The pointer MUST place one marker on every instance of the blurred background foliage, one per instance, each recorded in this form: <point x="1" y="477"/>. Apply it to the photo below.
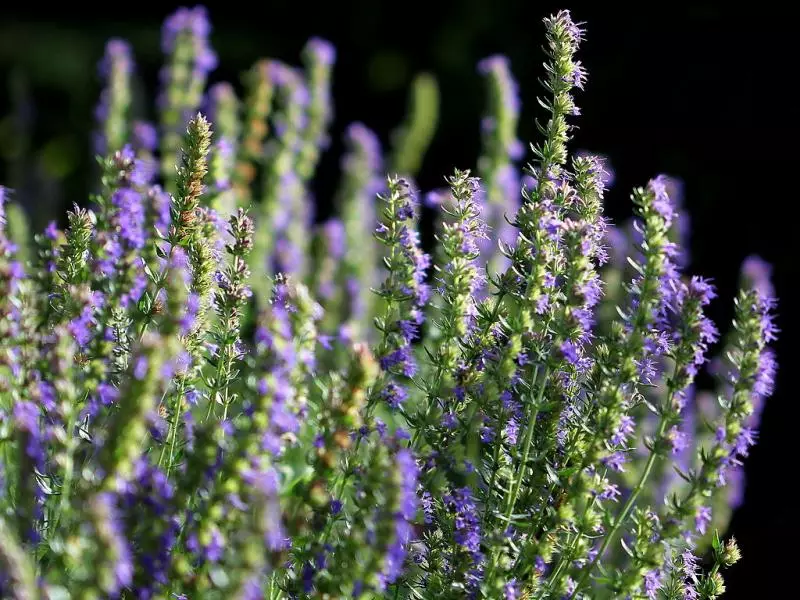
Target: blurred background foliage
<point x="689" y="90"/>
<point x="48" y="61"/>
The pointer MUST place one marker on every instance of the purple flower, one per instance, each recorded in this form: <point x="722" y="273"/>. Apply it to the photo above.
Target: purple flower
<point x="107" y="394"/>
<point x="51" y="231"/>
<point x="570" y="352"/>
<point x="662" y="202"/>
<point x="144" y="136"/>
<point x="322" y="50"/>
<point x="765" y="375"/>
<point x="511" y="590"/>
<point x="611" y="492"/>
<point x="130" y="217"/>
<point x="624" y="430"/>
<point x="401" y="357"/>
<point x="81" y="327"/>
<point x="408" y="473"/>
<point x="758" y="274"/>
<point x="47" y="396"/>
<point x="466" y="519"/>
<point x="678" y="440"/>
<point x="745" y="439"/>
<point x="487" y="434"/>
<point x="408" y="329"/>
<point x="140" y="367"/>
<point x="160" y="207"/>
<point x="702" y="519"/>
<point x="334" y="233"/>
<point x="539" y="565"/>
<point x="336" y="507"/>
<point x="26" y="418"/>
<point x="449" y="420"/>
<point x="615" y="461"/>
<point x="652" y="583"/>
<point x="188" y="318"/>
<point x="542" y="302"/>
<point x="511" y="431"/>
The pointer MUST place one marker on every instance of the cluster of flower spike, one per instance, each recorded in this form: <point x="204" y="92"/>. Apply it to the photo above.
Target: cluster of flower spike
<point x="204" y="393"/>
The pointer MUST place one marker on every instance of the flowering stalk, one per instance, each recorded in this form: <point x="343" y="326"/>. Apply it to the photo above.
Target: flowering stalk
<point x="693" y="335"/>
<point x="121" y="235"/>
<point x="410" y="141"/>
<point x="501" y="149"/>
<point x="751" y="371"/>
<point x="319" y="57"/>
<point x="73" y="264"/>
<point x="458" y="279"/>
<point x="360" y="184"/>
<point x="283" y="198"/>
<point x="259" y="92"/>
<point x="607" y="417"/>
<point x="112" y="113"/>
<point x="19" y="582"/>
<point x="184" y="39"/>
<point x="223" y="112"/>
<point x="403" y="293"/>
<point x="185" y="223"/>
<point x="229" y="302"/>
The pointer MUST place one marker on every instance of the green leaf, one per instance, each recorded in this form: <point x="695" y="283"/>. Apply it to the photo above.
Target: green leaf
<point x="716" y="544"/>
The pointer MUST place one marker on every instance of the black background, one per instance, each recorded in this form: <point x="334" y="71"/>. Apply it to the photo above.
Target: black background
<point x="701" y="92"/>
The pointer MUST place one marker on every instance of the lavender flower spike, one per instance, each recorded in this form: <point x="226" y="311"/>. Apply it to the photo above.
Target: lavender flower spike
<point x="116" y="69"/>
<point x="404" y="291"/>
<point x="185" y="41"/>
<point x="501" y="150"/>
<point x="223" y="112"/>
<point x="360" y="185"/>
<point x="319" y="57"/>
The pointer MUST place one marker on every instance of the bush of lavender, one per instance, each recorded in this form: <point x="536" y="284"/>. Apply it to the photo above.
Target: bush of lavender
<point x="205" y="393"/>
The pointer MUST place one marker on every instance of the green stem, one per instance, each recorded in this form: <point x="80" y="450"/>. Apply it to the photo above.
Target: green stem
<point x="533" y="411"/>
<point x="526" y="449"/>
<point x="623" y="515"/>
<point x="564" y="559"/>
<point x="495" y="459"/>
<point x="176" y="418"/>
<point x="69" y="469"/>
<point x="173" y="425"/>
<point x="439" y="371"/>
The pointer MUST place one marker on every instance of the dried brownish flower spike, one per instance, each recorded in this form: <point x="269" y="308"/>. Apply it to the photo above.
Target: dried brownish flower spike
<point x="191" y="173"/>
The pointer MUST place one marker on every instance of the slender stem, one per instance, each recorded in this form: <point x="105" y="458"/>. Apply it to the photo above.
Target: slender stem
<point x="439" y="371"/>
<point x="623" y="515"/>
<point x="69" y="468"/>
<point x="338" y="496"/>
<point x="564" y="558"/>
<point x="173" y="423"/>
<point x="518" y="477"/>
<point x="210" y="410"/>
<point x="495" y="459"/>
<point x="534" y="411"/>
<point x="175" y="418"/>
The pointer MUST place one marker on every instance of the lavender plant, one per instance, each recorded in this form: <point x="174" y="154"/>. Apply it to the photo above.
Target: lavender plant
<point x="203" y="395"/>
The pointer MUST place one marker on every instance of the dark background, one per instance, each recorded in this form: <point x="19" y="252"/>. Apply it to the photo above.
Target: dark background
<point x="701" y="92"/>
